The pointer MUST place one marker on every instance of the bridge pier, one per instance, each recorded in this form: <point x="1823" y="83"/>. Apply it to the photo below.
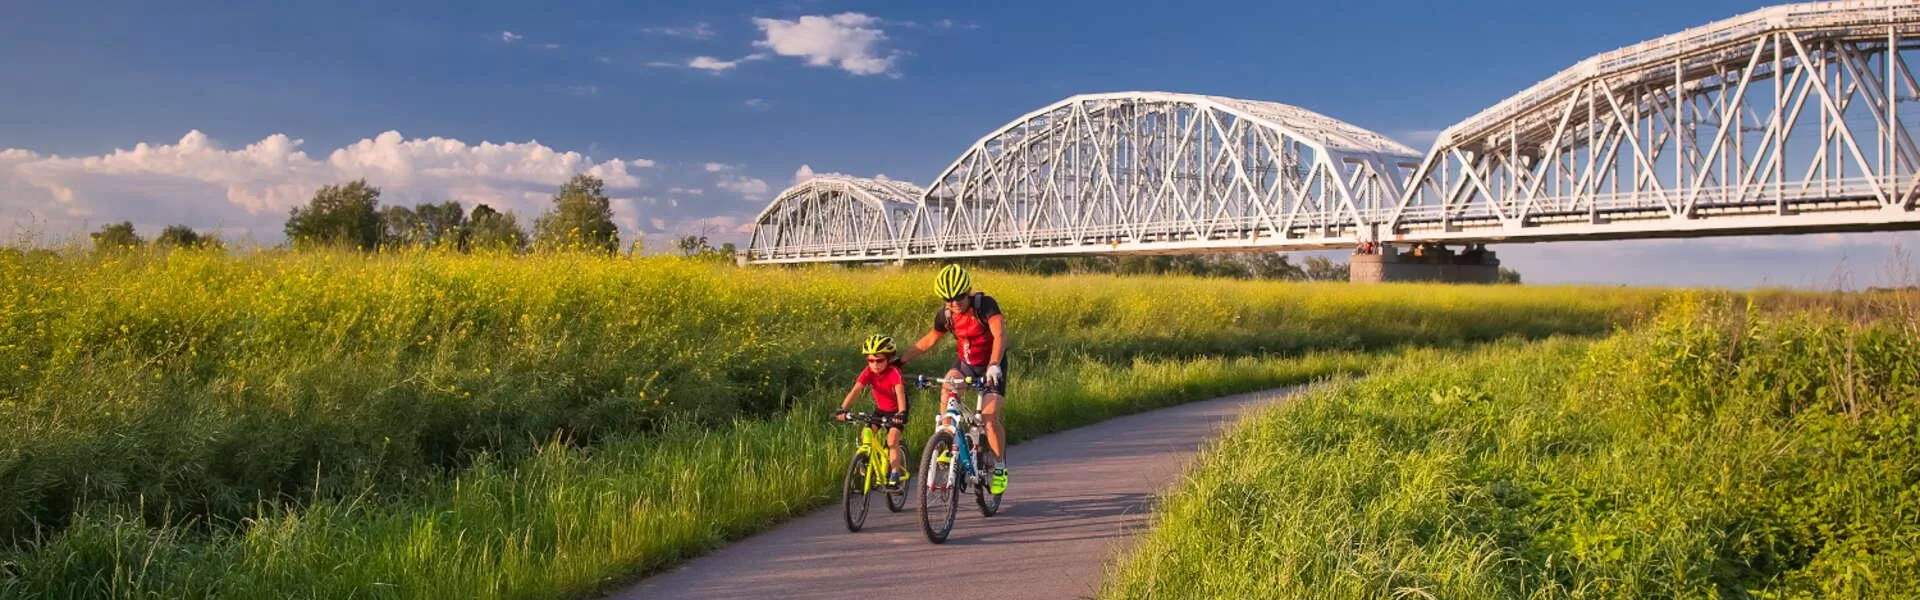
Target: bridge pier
<point x="1424" y="262"/>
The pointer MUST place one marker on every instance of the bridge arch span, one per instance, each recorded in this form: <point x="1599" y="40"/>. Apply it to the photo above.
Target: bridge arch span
<point x="835" y="218"/>
<point x="1152" y="171"/>
<point x="1793" y="118"/>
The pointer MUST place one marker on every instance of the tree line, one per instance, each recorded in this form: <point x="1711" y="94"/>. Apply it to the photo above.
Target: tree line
<point x="351" y="216"/>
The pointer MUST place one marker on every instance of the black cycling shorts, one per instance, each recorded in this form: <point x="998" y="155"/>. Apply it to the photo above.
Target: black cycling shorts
<point x="888" y="414"/>
<point x="980" y="373"/>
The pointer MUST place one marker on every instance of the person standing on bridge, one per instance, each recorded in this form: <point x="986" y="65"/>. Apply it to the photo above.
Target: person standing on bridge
<point x="977" y="326"/>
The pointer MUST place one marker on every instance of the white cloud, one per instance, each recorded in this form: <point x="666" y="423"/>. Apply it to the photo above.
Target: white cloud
<point x="850" y="41"/>
<point x="687" y="191"/>
<point x="757" y="103"/>
<point x="603" y="60"/>
<point x="708" y="63"/>
<point x="748" y="187"/>
<point x="511" y="37"/>
<point x="699" y="31"/>
<point x="714" y="167"/>
<point x="589" y="91"/>
<point x="802" y="174"/>
<point x="644" y="163"/>
<point x="198" y="182"/>
<point x="550" y="46"/>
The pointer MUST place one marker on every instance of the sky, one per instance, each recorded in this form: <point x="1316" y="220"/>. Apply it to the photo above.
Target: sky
<point x="225" y="115"/>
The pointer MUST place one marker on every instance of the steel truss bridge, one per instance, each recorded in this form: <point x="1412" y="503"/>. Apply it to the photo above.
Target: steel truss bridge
<point x="1790" y="119"/>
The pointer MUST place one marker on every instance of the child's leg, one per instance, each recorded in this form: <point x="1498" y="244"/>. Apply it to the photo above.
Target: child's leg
<point x="895" y="456"/>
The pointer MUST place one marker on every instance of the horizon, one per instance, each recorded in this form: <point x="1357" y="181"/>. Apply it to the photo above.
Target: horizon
<point x="697" y="115"/>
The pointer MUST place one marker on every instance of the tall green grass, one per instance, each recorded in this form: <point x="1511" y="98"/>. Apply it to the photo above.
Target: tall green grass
<point x="1717" y="451"/>
<point x="570" y="522"/>
<point x="195" y="385"/>
<point x="193" y="423"/>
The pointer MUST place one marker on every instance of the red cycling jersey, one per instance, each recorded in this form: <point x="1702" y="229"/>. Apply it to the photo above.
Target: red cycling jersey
<point x="970" y="328"/>
<point x="883" y="384"/>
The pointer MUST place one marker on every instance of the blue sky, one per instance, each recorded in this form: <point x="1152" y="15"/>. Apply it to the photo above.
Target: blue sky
<point x="855" y="87"/>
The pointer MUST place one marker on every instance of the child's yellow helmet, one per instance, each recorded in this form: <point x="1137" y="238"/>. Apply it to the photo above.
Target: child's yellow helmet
<point x="877" y="344"/>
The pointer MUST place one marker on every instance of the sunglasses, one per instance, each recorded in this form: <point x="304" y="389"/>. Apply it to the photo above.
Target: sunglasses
<point x="875" y="359"/>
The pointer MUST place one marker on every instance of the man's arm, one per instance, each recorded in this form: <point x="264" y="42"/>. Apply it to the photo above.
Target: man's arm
<point x="997" y="325"/>
<point x="921" y="347"/>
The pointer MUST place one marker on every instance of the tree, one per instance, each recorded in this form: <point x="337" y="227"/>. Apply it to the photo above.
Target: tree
<point x="117" y="236"/>
<point x="692" y="245"/>
<point x="1509" y="276"/>
<point x="1321" y="268"/>
<point x="488" y="230"/>
<point x="444" y="224"/>
<point x="339" y="215"/>
<point x="581" y="218"/>
<point x="399" y="227"/>
<point x="180" y="236"/>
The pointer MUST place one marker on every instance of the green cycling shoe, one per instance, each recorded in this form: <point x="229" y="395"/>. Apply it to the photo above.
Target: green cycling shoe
<point x="998" y="485"/>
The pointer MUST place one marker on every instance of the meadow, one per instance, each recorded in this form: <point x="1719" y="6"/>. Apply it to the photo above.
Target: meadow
<point x="1726" y="448"/>
<point x="193" y="423"/>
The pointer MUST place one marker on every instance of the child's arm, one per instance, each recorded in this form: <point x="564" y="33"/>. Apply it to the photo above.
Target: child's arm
<point x="851" y="394"/>
<point x="900" y="393"/>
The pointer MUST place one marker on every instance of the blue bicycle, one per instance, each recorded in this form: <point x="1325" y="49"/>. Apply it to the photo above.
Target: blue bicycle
<point x="955" y="460"/>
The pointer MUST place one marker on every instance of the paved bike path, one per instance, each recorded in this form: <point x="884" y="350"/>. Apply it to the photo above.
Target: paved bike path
<point x="1073" y="500"/>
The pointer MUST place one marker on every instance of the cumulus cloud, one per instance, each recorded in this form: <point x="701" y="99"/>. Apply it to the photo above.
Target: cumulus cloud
<point x="198" y="182"/>
<point x="748" y="187"/>
<point x="849" y="41"/>
<point x="802" y="174"/>
<point x="644" y="163"/>
<point x="699" y="31"/>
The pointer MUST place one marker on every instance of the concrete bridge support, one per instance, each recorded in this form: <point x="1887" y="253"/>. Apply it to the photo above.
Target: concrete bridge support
<point x="1424" y="262"/>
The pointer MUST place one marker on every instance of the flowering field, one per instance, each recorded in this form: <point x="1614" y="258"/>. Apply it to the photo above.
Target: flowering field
<point x="195" y="423"/>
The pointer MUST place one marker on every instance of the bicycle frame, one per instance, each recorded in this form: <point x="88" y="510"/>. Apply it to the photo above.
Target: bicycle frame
<point x="965" y="427"/>
<point x="879" y="458"/>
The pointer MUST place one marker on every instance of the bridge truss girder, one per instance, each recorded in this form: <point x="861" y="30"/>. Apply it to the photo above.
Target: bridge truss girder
<point x="834" y="218"/>
<point x="1152" y="172"/>
<point x="1788" y="119"/>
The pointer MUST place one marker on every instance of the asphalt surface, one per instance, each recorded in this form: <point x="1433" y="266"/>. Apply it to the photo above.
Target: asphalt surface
<point x="1074" y="499"/>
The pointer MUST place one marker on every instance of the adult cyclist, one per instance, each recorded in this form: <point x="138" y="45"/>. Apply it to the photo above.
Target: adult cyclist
<point x="977" y="326"/>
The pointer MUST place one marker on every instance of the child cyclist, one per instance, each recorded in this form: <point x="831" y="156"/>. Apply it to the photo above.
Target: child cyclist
<point x="889" y="398"/>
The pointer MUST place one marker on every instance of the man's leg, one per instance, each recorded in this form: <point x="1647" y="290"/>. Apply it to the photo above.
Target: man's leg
<point x="996" y="433"/>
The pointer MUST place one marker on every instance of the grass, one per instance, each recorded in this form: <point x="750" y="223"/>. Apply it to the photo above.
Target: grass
<point x="193" y="423"/>
<point x="1717" y="451"/>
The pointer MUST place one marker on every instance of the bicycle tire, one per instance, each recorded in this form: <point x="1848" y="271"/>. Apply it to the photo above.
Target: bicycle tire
<point x="939" y="486"/>
<point x="853" y="494"/>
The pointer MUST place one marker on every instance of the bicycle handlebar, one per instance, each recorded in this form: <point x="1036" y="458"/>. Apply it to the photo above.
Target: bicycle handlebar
<point x="860" y="418"/>
<point x="922" y="381"/>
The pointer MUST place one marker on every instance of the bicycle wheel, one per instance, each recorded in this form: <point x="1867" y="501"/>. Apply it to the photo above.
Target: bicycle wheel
<point x="940" y="494"/>
<point x="854" y="493"/>
<point x="989" y="503"/>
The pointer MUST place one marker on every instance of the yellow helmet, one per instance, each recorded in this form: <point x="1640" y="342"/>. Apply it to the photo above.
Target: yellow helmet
<point x="952" y="282"/>
<point x="877" y="344"/>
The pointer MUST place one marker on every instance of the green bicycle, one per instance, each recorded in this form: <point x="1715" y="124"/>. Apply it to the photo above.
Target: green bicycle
<point x="867" y="472"/>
